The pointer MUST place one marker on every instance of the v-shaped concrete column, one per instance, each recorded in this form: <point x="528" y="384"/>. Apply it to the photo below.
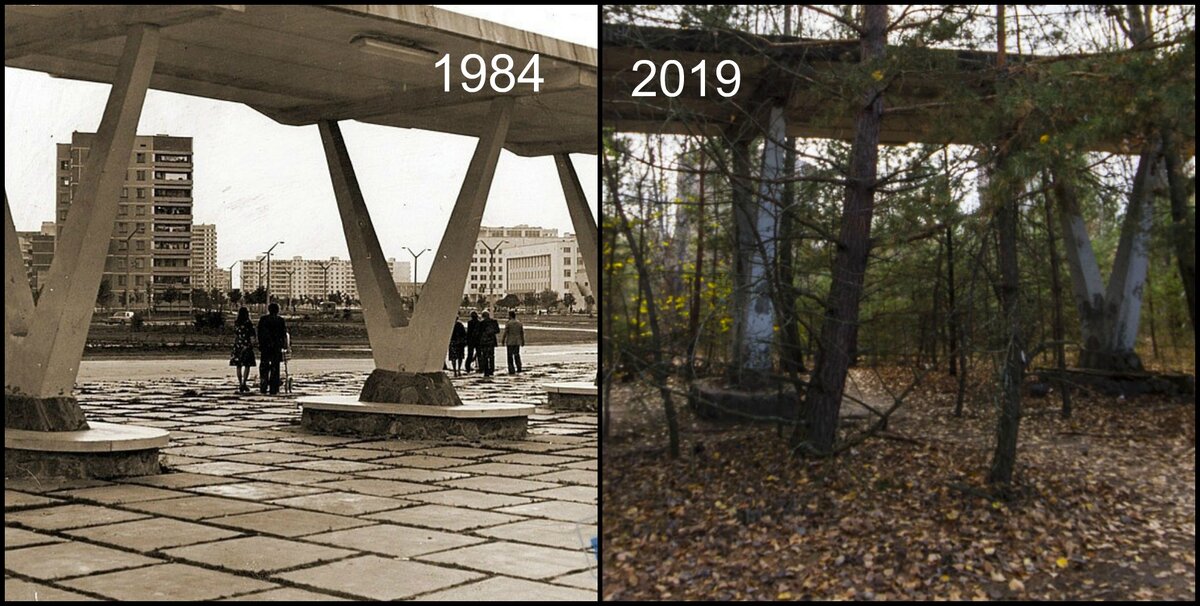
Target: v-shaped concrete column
<point x="586" y="234"/>
<point x="18" y="299"/>
<point x="382" y="309"/>
<point x="429" y="333"/>
<point x="398" y="343"/>
<point x="45" y="362"/>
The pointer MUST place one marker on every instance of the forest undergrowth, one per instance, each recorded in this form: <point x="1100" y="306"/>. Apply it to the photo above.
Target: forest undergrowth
<point x="1102" y="505"/>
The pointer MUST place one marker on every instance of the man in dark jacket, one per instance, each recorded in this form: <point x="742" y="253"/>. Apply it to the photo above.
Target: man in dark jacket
<point x="472" y="338"/>
<point x="514" y="338"/>
<point x="488" y="330"/>
<point x="272" y="338"/>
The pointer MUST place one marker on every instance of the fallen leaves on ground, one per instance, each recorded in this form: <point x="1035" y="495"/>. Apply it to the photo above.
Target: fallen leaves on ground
<point x="1103" y="506"/>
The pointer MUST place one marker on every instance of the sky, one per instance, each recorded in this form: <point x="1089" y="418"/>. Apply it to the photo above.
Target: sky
<point x="261" y="182"/>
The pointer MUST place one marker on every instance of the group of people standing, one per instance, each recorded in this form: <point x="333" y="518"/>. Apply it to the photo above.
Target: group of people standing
<point x="477" y="341"/>
<point x="272" y="340"/>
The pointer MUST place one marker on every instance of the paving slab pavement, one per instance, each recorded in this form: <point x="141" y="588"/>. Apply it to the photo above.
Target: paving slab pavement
<point x="253" y="507"/>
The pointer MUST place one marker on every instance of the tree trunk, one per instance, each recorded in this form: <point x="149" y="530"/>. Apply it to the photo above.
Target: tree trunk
<point x="1060" y="354"/>
<point x="1004" y="457"/>
<point x="1183" y="225"/>
<point x="694" y="309"/>
<point x="840" y="326"/>
<point x="658" y="369"/>
<point x="950" y="294"/>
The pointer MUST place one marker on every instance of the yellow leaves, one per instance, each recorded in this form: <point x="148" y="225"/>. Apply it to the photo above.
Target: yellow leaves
<point x="1044" y="139"/>
<point x="877" y="75"/>
<point x="772" y="478"/>
<point x="1016" y="586"/>
<point x="997" y="504"/>
<point x="952" y="515"/>
<point x="849" y="496"/>
<point x="997" y="577"/>
<point x="784" y="595"/>
<point x="989" y="550"/>
<point x="1061" y="562"/>
<point x="945" y="578"/>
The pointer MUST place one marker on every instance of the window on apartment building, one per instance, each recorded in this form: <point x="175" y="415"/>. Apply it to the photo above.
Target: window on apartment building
<point x="566" y="260"/>
<point x="141" y="192"/>
<point x="139" y="263"/>
<point x="566" y="273"/>
<point x="141" y="175"/>
<point x="120" y="262"/>
<point x="141" y="245"/>
<point x="566" y="249"/>
<point x="124" y="192"/>
<point x="139" y="280"/>
<point x="66" y="181"/>
<point x="62" y="216"/>
<point x="124" y="210"/>
<point x="141" y="159"/>
<point x="141" y="210"/>
<point x="65" y="164"/>
<point x="121" y="279"/>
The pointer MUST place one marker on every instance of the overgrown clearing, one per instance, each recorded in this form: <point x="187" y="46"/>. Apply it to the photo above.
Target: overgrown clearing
<point x="1103" y="505"/>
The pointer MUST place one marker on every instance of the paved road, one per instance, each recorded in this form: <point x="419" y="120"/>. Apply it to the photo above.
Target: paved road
<point x="93" y="370"/>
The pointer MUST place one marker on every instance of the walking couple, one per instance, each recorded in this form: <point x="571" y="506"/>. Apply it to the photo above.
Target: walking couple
<point x="272" y="339"/>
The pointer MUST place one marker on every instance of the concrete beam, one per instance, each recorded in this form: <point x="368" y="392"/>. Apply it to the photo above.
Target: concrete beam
<point x="427" y="336"/>
<point x="565" y="80"/>
<point x="382" y="309"/>
<point x="89" y="24"/>
<point x="49" y="356"/>
<point x="586" y="233"/>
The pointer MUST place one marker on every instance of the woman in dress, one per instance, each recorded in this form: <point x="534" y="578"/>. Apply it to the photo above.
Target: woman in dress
<point x="458" y="346"/>
<point x="243" y="348"/>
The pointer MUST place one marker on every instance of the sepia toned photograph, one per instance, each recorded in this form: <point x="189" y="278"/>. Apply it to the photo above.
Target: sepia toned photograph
<point x="898" y="302"/>
<point x="301" y="302"/>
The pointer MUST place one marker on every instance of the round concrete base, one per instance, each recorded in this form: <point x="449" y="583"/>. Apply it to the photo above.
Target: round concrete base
<point x="345" y="415"/>
<point x="106" y="450"/>
<point x="573" y="396"/>
<point x="714" y="400"/>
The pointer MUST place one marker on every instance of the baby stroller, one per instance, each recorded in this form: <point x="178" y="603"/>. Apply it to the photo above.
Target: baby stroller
<point x="287" y="355"/>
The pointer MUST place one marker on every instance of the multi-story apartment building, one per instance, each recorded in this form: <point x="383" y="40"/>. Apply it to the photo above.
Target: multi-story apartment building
<point x="150" y="250"/>
<point x="299" y="277"/>
<point x="37" y="252"/>
<point x="204" y="257"/>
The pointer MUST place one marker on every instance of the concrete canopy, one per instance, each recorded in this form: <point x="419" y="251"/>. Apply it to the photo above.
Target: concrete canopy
<point x="299" y="65"/>
<point x="809" y="79"/>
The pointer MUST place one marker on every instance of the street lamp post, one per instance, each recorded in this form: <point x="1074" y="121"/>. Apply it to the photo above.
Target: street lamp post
<point x="230" y="283"/>
<point x="129" y="278"/>
<point x="491" y="263"/>
<point x="325" y="268"/>
<point x="415" y="256"/>
<point x="291" y="288"/>
<point x="268" y="253"/>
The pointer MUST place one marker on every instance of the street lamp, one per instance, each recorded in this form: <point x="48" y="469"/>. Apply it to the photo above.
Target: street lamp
<point x="325" y="268"/>
<point x="230" y="283"/>
<point x="127" y="276"/>
<point x="291" y="288"/>
<point x="415" y="256"/>
<point x="268" y="253"/>
<point x="492" y="263"/>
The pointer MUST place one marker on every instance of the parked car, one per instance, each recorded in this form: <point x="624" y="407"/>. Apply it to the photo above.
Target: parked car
<point x="121" y="317"/>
